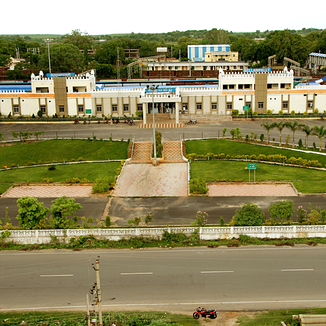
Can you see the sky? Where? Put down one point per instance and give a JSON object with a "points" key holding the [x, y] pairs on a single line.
{"points": [[127, 16]]}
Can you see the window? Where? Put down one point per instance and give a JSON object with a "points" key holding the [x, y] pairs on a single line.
{"points": [[42, 90], [114, 108], [61, 108], [98, 108], [310, 104], [139, 107], [214, 106], [16, 109], [260, 105], [248, 104], [229, 106], [198, 106], [43, 109], [80, 108], [126, 108], [285, 105], [185, 106]]}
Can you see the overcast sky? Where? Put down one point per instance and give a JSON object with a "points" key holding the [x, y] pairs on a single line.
{"points": [[126, 16]]}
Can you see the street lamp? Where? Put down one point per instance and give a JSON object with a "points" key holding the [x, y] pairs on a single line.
{"points": [[48, 40], [153, 88]]}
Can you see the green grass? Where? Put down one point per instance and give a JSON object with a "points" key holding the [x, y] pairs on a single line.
{"points": [[305, 180], [74, 318], [59, 150], [90, 171], [275, 317], [217, 146]]}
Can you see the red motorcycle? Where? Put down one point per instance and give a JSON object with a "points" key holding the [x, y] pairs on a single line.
{"points": [[205, 313]]}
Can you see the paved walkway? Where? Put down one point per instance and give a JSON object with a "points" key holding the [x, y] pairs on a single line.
{"points": [[241, 189], [146, 180], [49, 191]]}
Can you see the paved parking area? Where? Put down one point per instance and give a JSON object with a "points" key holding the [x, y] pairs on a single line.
{"points": [[257, 189], [48, 191]]}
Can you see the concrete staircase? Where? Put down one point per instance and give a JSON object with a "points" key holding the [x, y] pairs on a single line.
{"points": [[142, 152], [172, 152]]}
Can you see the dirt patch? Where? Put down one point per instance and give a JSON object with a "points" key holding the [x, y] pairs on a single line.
{"points": [[225, 318]]}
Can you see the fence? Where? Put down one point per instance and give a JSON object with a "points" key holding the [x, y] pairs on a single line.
{"points": [[205, 233]]}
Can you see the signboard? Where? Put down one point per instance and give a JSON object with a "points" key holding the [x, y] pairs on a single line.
{"points": [[257, 70], [161, 90], [88, 111], [246, 108], [61, 74], [252, 166]]}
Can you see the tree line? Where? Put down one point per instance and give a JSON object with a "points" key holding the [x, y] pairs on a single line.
{"points": [[69, 53]]}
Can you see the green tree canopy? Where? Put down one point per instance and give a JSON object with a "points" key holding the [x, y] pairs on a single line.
{"points": [[64, 58], [283, 210], [249, 214], [31, 213], [61, 209]]}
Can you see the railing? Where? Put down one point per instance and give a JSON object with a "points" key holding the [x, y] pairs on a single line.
{"points": [[205, 233]]}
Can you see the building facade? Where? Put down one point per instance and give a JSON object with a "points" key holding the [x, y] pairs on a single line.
{"points": [[81, 96]]}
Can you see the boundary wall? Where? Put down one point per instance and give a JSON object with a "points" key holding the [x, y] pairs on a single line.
{"points": [[205, 233]]}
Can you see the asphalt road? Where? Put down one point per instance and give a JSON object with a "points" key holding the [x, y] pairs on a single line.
{"points": [[167, 210], [121, 130], [161, 279]]}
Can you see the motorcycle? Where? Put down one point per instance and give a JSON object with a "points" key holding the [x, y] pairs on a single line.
{"points": [[212, 314], [192, 122], [131, 122]]}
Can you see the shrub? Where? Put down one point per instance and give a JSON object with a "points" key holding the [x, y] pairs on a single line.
{"points": [[283, 209], [201, 219], [235, 112], [101, 186], [198, 186], [269, 112], [250, 214]]}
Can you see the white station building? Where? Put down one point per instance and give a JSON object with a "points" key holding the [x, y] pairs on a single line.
{"points": [[80, 96]]}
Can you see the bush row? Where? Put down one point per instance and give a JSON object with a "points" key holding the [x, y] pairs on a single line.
{"points": [[261, 157]]}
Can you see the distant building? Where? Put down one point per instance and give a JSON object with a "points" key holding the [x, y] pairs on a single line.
{"points": [[197, 52]]}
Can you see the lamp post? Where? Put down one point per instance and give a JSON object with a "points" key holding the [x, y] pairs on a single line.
{"points": [[48, 40], [153, 88]]}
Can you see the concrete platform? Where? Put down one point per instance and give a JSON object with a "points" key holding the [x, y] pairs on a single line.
{"points": [[146, 180]]}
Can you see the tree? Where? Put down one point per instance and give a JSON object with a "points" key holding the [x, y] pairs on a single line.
{"points": [[280, 126], [218, 36], [249, 214], [31, 213], [283, 209], [308, 131], [64, 58], [61, 209], [320, 132], [294, 126], [268, 126]]}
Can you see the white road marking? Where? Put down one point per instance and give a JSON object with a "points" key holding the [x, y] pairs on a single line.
{"points": [[297, 270], [214, 272], [62, 275], [144, 273], [169, 304]]}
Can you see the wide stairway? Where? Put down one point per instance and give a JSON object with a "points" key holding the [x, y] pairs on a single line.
{"points": [[172, 152], [142, 152], [162, 120]]}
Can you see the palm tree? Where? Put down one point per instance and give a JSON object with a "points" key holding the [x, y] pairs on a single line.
{"points": [[308, 131], [268, 126], [280, 126], [320, 132], [294, 126]]}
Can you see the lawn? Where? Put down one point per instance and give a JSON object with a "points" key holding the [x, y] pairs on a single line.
{"points": [[89, 171], [217, 146], [74, 318], [275, 317], [59, 150], [305, 180]]}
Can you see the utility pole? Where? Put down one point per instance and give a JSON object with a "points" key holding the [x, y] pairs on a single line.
{"points": [[99, 297], [118, 64], [96, 298]]}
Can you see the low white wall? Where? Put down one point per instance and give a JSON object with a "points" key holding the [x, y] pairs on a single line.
{"points": [[206, 233]]}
